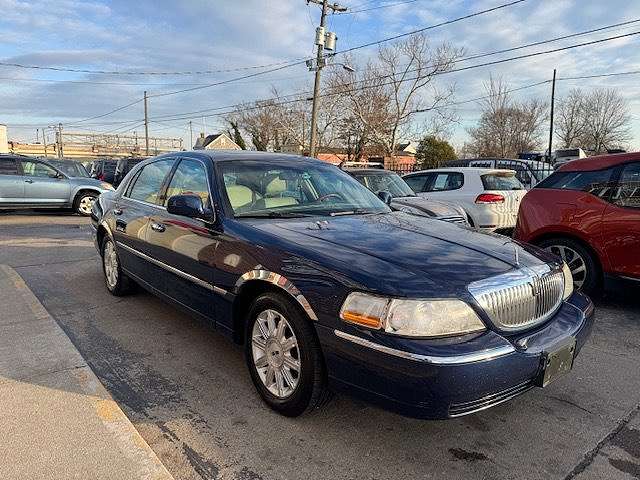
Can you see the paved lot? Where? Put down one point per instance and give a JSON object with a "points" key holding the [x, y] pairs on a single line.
{"points": [[187, 391]]}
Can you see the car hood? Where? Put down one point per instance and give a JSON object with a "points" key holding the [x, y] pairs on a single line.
{"points": [[406, 253], [430, 207]]}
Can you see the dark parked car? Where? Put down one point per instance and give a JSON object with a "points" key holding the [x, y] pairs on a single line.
{"points": [[70, 168], [124, 166], [404, 199], [588, 213], [326, 287], [104, 169]]}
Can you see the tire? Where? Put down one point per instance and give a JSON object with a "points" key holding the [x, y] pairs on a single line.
{"points": [[266, 349], [585, 268], [83, 203], [117, 282]]}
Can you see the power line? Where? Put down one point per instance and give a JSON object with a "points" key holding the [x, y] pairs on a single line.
{"points": [[470, 67], [117, 72], [108, 113], [378, 7], [430, 27]]}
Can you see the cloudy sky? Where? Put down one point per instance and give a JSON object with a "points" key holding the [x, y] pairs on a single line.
{"points": [[216, 35]]}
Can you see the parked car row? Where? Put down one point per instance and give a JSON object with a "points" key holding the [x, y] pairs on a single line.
{"points": [[328, 288]]}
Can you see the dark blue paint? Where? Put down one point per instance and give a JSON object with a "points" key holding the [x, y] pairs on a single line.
{"points": [[392, 254]]}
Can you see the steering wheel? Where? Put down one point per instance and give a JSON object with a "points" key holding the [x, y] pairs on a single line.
{"points": [[328, 196]]}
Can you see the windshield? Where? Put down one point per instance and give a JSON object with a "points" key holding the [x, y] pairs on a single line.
{"points": [[71, 169], [262, 189], [387, 181], [501, 181]]}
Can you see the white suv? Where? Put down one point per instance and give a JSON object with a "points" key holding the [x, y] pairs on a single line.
{"points": [[490, 197]]}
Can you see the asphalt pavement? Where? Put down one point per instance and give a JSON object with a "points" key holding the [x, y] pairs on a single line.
{"points": [[187, 391]]}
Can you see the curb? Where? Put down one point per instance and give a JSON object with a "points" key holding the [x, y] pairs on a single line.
{"points": [[129, 441]]}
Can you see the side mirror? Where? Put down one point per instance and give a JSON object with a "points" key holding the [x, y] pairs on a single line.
{"points": [[385, 197], [189, 206]]}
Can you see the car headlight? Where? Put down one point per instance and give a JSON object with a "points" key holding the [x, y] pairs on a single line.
{"points": [[414, 318], [106, 186], [568, 281]]}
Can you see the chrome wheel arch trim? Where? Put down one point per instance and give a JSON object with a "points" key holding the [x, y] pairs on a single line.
{"points": [[479, 356], [279, 281]]}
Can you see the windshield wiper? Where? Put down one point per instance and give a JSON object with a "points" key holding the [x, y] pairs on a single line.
{"points": [[274, 215], [355, 211]]}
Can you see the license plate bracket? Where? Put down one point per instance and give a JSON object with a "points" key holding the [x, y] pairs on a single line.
{"points": [[557, 362]]}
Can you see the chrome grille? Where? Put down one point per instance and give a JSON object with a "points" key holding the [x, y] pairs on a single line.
{"points": [[521, 298]]}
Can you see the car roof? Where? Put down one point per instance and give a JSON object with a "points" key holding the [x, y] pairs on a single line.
{"points": [[469, 170], [599, 162]]}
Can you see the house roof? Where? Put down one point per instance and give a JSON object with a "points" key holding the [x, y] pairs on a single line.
{"points": [[202, 142]]}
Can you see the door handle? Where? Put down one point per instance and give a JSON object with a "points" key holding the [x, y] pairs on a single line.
{"points": [[117, 211], [158, 227], [28, 181]]}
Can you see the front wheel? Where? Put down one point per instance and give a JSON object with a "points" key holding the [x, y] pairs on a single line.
{"points": [[84, 203], [284, 357], [584, 267]]}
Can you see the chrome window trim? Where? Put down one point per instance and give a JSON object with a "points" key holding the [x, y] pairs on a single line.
{"points": [[142, 202], [180, 273], [474, 357], [279, 281]]}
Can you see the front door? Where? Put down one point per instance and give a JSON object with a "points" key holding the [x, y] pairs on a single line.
{"points": [[44, 185], [131, 218], [621, 223], [11, 182], [186, 245]]}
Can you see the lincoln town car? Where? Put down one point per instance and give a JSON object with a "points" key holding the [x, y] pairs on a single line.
{"points": [[329, 290]]}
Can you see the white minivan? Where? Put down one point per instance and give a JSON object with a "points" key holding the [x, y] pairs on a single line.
{"points": [[490, 197]]}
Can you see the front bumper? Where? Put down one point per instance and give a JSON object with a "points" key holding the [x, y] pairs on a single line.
{"points": [[444, 378]]}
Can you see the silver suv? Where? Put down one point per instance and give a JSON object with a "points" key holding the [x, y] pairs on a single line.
{"points": [[27, 182]]}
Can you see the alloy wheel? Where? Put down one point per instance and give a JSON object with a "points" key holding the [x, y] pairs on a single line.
{"points": [[574, 260], [110, 260], [275, 353], [85, 204]]}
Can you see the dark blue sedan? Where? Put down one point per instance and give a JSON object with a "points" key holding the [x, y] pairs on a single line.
{"points": [[328, 289]]}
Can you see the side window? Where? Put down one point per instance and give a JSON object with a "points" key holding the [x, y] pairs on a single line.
{"points": [[189, 178], [149, 182], [446, 181], [8, 166], [416, 182], [37, 169], [595, 182], [627, 192]]}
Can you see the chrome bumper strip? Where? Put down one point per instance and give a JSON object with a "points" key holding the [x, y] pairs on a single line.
{"points": [[180, 273], [480, 356]]}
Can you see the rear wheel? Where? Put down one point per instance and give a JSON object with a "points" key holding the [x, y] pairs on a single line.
{"points": [[117, 282], [584, 267], [283, 356], [84, 202]]}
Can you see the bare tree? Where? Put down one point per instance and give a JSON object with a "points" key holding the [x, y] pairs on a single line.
{"points": [[570, 126], [607, 121], [411, 66], [596, 121], [507, 127]]}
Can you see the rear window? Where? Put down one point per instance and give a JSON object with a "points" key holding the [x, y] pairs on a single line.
{"points": [[501, 181]]}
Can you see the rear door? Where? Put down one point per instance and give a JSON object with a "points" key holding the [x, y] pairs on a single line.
{"points": [[186, 245], [43, 184], [11, 182], [621, 223], [132, 211]]}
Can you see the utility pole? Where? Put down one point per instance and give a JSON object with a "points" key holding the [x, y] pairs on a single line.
{"points": [[44, 142], [324, 40], [60, 147], [146, 125], [553, 97], [191, 133]]}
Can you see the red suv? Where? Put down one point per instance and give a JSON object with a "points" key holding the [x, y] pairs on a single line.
{"points": [[588, 213]]}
